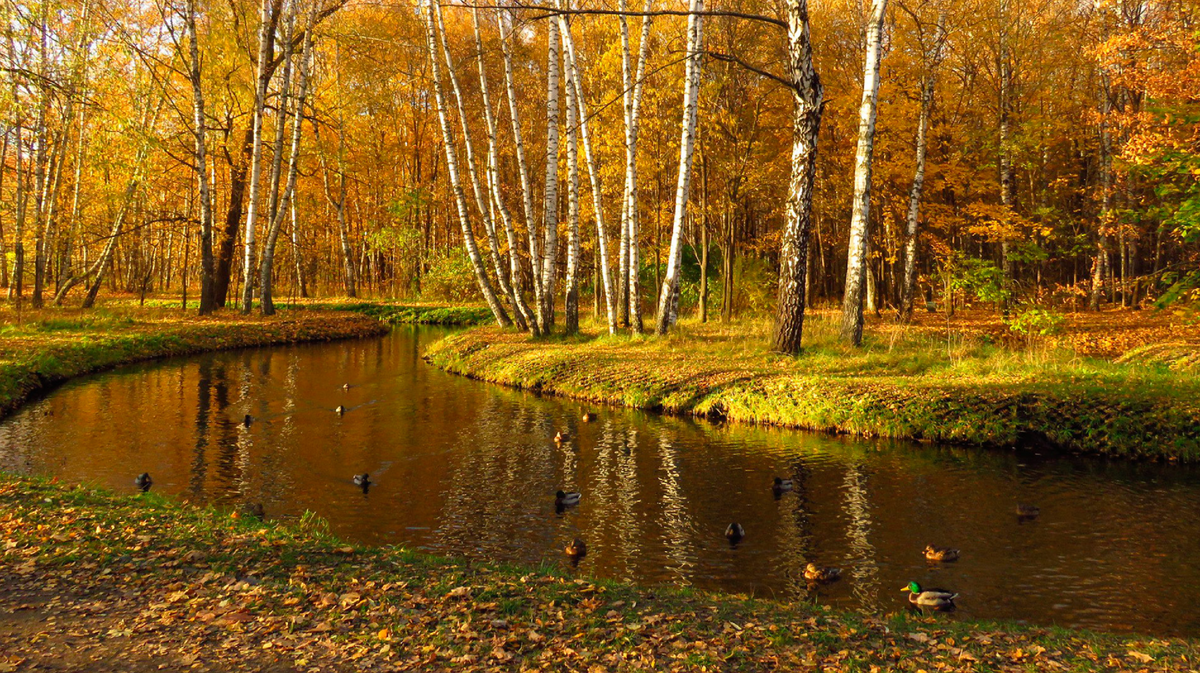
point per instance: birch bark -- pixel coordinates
(856, 265)
(807, 105)
(266, 37)
(594, 177)
(550, 203)
(460, 199)
(630, 291)
(571, 298)
(668, 304)
(933, 60)
(200, 129)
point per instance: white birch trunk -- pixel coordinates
(571, 298)
(594, 176)
(524, 318)
(550, 204)
(265, 37)
(200, 130)
(531, 225)
(460, 199)
(856, 265)
(633, 302)
(668, 303)
(933, 59)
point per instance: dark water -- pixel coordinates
(467, 468)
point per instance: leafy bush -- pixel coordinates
(1035, 324)
(450, 277)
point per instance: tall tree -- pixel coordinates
(668, 303)
(856, 265)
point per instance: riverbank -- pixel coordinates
(908, 383)
(89, 578)
(51, 346)
(405, 314)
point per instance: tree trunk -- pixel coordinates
(856, 263)
(630, 291)
(266, 36)
(549, 268)
(933, 59)
(285, 203)
(807, 104)
(531, 225)
(1008, 183)
(511, 281)
(460, 199)
(604, 272)
(199, 128)
(233, 219)
(571, 294)
(668, 299)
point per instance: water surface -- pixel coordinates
(466, 468)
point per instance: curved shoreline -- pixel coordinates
(38, 362)
(1078, 416)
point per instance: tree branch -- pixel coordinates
(758, 71)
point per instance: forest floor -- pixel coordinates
(1117, 382)
(100, 581)
(41, 348)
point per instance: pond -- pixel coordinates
(465, 468)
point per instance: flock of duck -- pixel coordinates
(577, 549)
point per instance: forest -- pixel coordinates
(1031, 156)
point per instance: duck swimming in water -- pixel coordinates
(143, 481)
(339, 410)
(363, 480)
(564, 499)
(588, 417)
(940, 554)
(821, 574)
(782, 485)
(734, 533)
(247, 420)
(559, 438)
(930, 598)
(576, 550)
(1028, 512)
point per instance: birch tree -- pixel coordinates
(668, 304)
(807, 105)
(525, 317)
(460, 199)
(571, 289)
(269, 12)
(504, 19)
(856, 265)
(932, 57)
(200, 130)
(283, 204)
(629, 290)
(602, 260)
(550, 203)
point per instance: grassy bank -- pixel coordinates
(89, 577)
(51, 346)
(906, 383)
(406, 314)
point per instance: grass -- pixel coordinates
(405, 314)
(907, 382)
(50, 346)
(155, 583)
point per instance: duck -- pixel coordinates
(339, 410)
(942, 554)
(559, 438)
(564, 499)
(588, 417)
(734, 533)
(143, 481)
(253, 510)
(247, 420)
(932, 598)
(576, 550)
(782, 485)
(822, 574)
(363, 480)
(345, 386)
(1028, 511)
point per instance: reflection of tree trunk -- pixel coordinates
(865, 570)
(795, 531)
(203, 400)
(676, 523)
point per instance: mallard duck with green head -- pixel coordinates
(929, 598)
